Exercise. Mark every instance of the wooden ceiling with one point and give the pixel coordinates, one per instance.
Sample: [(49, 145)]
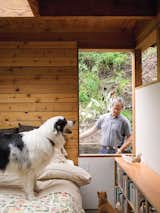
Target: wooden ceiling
[(97, 7), (112, 24)]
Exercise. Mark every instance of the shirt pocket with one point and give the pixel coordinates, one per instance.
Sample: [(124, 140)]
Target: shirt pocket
[(116, 127), (106, 125)]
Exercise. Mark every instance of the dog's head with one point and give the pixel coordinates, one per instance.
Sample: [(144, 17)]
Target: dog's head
[(56, 125), (63, 126)]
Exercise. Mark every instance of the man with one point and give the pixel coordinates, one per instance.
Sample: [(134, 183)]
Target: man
[(115, 130)]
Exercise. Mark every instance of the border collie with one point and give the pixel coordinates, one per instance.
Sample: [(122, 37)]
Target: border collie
[(26, 153)]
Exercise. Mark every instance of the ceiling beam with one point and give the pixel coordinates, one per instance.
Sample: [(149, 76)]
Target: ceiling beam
[(34, 7), (86, 40), (68, 24), (89, 33), (146, 35)]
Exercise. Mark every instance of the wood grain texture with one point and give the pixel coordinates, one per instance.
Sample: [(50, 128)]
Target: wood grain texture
[(39, 80), (89, 32), (111, 32), (39, 116), (38, 98), (38, 107), (99, 40), (138, 67), (34, 5), (15, 8)]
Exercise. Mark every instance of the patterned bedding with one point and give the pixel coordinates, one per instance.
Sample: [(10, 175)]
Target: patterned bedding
[(57, 202), (57, 187)]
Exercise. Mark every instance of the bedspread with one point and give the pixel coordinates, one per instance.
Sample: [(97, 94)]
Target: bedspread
[(57, 202)]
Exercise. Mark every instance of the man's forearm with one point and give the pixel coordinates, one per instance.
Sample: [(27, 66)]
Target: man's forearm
[(88, 132), (126, 144)]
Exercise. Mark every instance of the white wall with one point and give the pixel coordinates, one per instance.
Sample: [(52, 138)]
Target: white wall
[(102, 171), (148, 125)]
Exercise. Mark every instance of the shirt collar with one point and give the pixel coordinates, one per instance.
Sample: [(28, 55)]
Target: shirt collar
[(113, 116)]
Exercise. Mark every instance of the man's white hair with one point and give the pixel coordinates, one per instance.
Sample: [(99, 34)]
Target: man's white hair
[(118, 100)]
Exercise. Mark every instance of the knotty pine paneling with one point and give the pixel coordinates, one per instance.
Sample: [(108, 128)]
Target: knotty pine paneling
[(39, 80)]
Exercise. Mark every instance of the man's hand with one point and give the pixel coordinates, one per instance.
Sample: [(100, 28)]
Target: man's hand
[(125, 145), (118, 151)]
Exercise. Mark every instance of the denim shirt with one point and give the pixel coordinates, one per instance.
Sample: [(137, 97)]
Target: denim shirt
[(113, 129)]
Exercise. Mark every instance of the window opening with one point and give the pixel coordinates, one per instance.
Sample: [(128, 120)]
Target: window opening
[(103, 76)]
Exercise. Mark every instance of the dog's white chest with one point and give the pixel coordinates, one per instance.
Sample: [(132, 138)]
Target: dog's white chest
[(40, 149)]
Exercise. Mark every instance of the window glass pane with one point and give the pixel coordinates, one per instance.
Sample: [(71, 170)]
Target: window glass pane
[(149, 65), (102, 77)]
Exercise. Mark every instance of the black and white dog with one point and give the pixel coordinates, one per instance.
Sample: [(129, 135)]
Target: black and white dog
[(27, 153)]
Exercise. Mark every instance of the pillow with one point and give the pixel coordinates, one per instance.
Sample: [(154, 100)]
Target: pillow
[(65, 171), (10, 180)]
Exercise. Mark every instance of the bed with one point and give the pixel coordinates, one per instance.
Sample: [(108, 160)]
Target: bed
[(50, 200), (57, 189)]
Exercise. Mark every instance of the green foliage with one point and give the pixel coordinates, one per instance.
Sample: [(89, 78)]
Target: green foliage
[(89, 84), (99, 73), (128, 113), (121, 59), (86, 61), (101, 61), (93, 110), (121, 81)]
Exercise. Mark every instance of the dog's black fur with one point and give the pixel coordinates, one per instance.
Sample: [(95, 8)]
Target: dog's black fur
[(19, 128), (9, 137), (9, 131), (5, 141), (60, 124)]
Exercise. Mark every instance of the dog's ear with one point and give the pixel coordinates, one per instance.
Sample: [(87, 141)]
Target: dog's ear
[(56, 128), (59, 125)]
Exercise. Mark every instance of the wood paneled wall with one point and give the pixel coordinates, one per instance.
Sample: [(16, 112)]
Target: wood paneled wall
[(39, 80)]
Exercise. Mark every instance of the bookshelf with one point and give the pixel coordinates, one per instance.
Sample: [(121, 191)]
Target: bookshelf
[(137, 187)]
